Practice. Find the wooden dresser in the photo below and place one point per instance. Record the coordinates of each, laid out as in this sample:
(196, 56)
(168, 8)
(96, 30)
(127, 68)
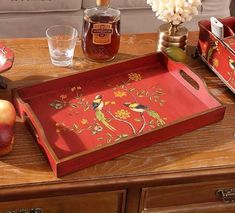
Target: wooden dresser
(191, 173)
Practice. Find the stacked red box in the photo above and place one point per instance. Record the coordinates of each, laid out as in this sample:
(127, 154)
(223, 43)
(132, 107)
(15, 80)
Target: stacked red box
(219, 54)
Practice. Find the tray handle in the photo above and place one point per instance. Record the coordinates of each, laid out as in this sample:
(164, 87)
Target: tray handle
(191, 80)
(38, 132)
(33, 122)
(193, 83)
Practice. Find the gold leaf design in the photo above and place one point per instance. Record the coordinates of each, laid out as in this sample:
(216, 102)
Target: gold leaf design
(84, 121)
(134, 76)
(122, 114)
(100, 139)
(73, 89)
(119, 94)
(63, 96)
(215, 62)
(60, 127)
(95, 128)
(122, 136)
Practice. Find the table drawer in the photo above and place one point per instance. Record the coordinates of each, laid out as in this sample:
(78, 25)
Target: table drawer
(109, 202)
(186, 194)
(199, 208)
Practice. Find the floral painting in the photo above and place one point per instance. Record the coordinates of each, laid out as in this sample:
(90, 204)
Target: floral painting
(127, 105)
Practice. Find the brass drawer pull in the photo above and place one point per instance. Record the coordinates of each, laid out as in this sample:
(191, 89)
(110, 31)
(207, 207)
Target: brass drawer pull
(226, 195)
(33, 210)
(36, 210)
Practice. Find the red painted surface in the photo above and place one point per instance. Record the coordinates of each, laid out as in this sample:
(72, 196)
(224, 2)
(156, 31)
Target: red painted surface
(218, 54)
(171, 106)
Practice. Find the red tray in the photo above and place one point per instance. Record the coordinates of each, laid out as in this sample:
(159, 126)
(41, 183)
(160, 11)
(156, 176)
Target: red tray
(137, 103)
(219, 54)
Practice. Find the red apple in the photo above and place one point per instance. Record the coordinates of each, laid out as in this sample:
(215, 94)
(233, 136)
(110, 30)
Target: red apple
(6, 135)
(7, 113)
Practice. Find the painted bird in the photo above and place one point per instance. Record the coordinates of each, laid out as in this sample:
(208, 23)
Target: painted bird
(98, 105)
(231, 63)
(213, 47)
(136, 107)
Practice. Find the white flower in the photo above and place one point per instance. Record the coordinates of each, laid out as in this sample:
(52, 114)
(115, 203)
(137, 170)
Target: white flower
(175, 11)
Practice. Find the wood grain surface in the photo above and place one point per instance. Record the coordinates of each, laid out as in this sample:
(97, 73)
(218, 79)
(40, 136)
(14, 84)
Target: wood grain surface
(208, 152)
(183, 194)
(205, 208)
(112, 202)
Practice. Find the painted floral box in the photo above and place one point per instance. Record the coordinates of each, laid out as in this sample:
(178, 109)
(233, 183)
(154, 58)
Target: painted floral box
(91, 117)
(219, 54)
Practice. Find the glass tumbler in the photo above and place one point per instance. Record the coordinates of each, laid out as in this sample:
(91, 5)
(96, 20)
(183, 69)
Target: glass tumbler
(61, 42)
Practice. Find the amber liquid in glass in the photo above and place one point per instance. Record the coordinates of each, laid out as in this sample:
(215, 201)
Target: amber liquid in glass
(101, 37)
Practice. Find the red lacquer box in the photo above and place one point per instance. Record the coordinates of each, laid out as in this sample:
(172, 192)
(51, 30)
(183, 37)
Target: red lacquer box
(95, 116)
(219, 54)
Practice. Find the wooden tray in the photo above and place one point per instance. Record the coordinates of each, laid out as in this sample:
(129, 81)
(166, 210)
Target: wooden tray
(95, 116)
(219, 54)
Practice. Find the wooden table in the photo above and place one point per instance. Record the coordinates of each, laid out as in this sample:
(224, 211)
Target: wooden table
(179, 175)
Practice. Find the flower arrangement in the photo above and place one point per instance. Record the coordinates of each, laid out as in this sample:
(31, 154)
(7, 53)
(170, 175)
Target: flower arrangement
(175, 12)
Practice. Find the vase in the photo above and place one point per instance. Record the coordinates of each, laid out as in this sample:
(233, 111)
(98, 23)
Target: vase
(172, 36)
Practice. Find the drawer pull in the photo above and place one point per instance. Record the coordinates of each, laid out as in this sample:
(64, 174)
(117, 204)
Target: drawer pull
(33, 210)
(226, 195)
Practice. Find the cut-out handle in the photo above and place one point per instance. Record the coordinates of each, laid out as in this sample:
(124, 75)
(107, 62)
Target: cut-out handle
(38, 132)
(32, 122)
(32, 127)
(190, 80)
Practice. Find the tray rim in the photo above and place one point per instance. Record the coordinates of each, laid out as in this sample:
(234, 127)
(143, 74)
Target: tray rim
(33, 118)
(16, 90)
(142, 134)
